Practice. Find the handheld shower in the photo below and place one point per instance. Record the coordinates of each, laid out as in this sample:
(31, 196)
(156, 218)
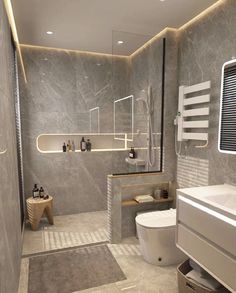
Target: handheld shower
(148, 101)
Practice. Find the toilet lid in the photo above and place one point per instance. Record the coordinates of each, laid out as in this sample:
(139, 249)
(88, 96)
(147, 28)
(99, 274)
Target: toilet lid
(158, 219)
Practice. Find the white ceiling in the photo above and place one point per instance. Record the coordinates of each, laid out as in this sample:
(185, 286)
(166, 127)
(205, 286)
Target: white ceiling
(87, 25)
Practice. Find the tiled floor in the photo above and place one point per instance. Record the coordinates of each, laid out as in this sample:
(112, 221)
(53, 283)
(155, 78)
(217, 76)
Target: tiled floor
(141, 276)
(67, 231)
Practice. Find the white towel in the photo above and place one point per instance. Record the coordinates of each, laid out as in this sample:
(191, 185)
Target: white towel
(144, 198)
(209, 282)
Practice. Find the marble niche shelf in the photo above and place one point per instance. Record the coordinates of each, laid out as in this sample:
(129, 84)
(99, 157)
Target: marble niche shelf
(101, 142)
(132, 202)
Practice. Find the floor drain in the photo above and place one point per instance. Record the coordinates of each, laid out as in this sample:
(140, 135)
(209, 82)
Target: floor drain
(159, 259)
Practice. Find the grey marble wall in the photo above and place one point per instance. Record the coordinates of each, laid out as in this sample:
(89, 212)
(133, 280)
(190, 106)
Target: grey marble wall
(204, 47)
(62, 87)
(10, 228)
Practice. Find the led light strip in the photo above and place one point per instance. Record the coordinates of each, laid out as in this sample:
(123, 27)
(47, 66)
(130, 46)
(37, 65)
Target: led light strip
(208, 211)
(11, 19)
(10, 14)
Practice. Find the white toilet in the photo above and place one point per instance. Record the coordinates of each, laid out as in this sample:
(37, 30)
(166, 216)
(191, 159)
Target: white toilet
(156, 233)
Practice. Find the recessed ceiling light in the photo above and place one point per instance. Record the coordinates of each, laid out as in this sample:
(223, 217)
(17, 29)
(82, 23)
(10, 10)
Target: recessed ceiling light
(120, 42)
(49, 32)
(98, 64)
(162, 0)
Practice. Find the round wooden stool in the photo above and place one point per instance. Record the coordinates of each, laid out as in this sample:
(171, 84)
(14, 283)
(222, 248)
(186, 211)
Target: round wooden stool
(36, 207)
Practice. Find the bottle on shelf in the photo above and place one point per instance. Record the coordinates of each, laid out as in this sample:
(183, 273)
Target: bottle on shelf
(68, 146)
(41, 192)
(64, 147)
(73, 146)
(82, 145)
(132, 153)
(88, 145)
(35, 191)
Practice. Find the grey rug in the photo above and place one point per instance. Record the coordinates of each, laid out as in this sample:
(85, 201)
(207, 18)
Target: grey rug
(73, 270)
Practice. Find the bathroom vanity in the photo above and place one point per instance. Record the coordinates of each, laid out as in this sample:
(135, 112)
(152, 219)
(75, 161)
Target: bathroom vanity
(206, 229)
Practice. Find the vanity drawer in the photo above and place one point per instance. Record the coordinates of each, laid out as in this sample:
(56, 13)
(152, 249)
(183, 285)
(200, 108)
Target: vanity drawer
(208, 225)
(220, 265)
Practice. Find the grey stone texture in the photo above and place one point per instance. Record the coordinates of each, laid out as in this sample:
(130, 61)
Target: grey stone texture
(203, 48)
(62, 87)
(10, 228)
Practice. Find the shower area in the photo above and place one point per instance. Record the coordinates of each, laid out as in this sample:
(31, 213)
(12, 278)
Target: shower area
(114, 100)
(138, 113)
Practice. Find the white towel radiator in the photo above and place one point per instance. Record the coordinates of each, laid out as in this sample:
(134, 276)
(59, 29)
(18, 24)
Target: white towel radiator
(193, 112)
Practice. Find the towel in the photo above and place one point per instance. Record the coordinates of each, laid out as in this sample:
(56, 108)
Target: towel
(209, 282)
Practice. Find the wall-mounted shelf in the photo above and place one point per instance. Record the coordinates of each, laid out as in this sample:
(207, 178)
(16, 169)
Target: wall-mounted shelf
(132, 202)
(51, 143)
(135, 162)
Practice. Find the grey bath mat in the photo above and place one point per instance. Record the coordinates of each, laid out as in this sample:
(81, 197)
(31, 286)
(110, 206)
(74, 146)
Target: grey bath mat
(73, 270)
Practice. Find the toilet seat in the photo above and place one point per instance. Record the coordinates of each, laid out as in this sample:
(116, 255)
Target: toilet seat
(158, 219)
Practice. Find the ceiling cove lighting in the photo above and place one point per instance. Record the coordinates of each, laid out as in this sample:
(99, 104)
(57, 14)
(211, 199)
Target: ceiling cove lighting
(12, 23)
(74, 51)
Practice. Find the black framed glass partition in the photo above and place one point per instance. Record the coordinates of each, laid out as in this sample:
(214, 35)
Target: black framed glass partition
(138, 98)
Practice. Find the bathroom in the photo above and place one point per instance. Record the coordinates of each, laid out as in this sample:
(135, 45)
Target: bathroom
(115, 80)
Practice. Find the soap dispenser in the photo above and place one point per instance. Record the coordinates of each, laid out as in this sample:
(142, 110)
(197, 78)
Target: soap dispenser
(88, 145)
(132, 153)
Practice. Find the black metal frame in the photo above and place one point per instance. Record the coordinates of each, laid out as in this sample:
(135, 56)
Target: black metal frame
(162, 118)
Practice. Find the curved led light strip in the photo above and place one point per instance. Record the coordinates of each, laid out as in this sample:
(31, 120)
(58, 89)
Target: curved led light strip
(11, 19)
(3, 152)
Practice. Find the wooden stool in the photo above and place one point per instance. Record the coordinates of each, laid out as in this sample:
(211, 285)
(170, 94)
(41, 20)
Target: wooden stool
(36, 207)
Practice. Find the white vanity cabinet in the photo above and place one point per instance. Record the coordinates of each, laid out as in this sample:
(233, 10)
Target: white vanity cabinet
(206, 229)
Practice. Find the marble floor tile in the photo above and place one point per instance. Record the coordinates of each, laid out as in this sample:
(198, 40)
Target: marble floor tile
(67, 231)
(141, 277)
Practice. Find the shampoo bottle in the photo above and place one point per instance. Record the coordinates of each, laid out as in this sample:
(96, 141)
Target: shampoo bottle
(132, 154)
(88, 145)
(35, 191)
(83, 145)
(64, 147)
(41, 192)
(72, 146)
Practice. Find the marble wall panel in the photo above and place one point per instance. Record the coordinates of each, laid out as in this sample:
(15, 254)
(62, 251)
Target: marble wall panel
(204, 46)
(10, 228)
(62, 87)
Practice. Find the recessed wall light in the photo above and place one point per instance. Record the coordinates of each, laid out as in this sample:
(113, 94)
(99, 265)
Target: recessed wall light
(49, 32)
(120, 42)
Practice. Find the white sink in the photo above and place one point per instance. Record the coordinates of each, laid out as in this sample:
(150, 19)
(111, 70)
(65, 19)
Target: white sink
(206, 229)
(225, 201)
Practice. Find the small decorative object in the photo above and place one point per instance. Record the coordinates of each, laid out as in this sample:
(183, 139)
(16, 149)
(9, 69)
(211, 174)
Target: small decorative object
(165, 193)
(157, 193)
(46, 196)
